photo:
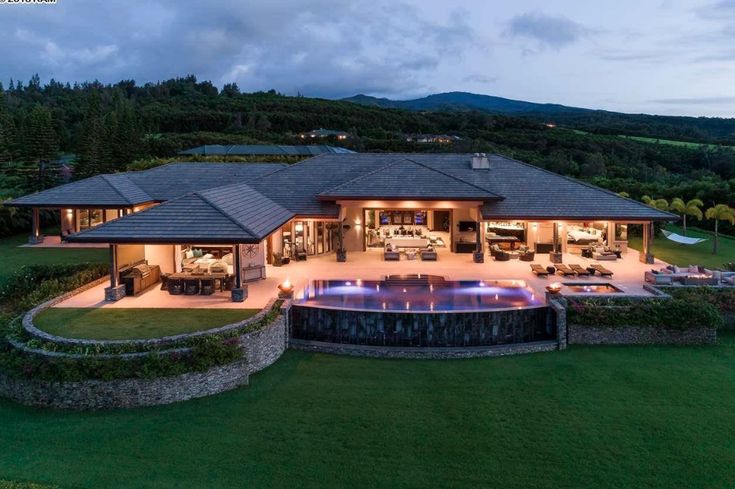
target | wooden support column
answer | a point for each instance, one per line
(646, 254)
(238, 293)
(479, 256)
(238, 267)
(113, 265)
(115, 291)
(35, 236)
(556, 255)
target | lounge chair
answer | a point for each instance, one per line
(579, 270)
(602, 270)
(538, 270)
(389, 254)
(565, 270)
(428, 254)
(501, 255)
(528, 255)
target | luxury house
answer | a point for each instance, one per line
(231, 220)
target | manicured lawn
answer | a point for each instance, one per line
(589, 417)
(13, 257)
(684, 255)
(686, 144)
(122, 324)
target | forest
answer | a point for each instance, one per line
(52, 132)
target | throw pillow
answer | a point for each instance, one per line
(189, 254)
(677, 269)
(693, 269)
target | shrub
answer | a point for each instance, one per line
(722, 298)
(33, 284)
(661, 313)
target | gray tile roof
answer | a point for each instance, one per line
(232, 214)
(527, 192)
(406, 178)
(157, 184)
(97, 191)
(534, 193)
(264, 150)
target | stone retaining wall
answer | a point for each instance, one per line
(638, 335)
(124, 393)
(264, 346)
(261, 348)
(422, 353)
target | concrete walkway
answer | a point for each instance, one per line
(369, 265)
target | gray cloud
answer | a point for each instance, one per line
(317, 47)
(553, 31)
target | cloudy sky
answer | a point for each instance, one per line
(656, 56)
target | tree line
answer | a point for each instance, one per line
(93, 128)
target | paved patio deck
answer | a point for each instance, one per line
(369, 265)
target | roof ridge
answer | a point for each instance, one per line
(582, 182)
(224, 212)
(456, 178)
(105, 176)
(108, 178)
(391, 162)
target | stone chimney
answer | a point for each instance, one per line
(480, 162)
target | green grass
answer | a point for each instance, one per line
(685, 255)
(602, 417)
(686, 144)
(12, 257)
(130, 323)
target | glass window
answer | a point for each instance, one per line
(621, 232)
(320, 237)
(89, 218)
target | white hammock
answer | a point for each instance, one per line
(677, 238)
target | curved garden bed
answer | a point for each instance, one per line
(40, 369)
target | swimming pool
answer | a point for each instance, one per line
(419, 293)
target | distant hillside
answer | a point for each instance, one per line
(465, 101)
(693, 129)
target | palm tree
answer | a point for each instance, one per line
(660, 204)
(690, 208)
(720, 212)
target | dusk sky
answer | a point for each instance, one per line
(666, 57)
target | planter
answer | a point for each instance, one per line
(478, 257)
(341, 256)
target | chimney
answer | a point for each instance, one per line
(480, 162)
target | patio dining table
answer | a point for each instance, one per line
(200, 276)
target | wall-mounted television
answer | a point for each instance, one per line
(467, 226)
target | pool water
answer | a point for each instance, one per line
(417, 293)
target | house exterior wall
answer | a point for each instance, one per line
(353, 237)
(130, 253)
(161, 255)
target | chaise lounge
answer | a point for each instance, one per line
(565, 270)
(605, 272)
(538, 270)
(579, 270)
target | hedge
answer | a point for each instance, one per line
(661, 313)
